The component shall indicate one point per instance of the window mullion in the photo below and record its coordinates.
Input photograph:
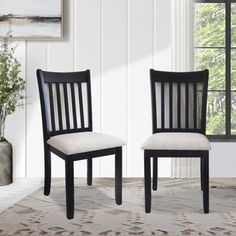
(228, 68)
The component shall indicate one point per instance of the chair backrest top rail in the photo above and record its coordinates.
(178, 77)
(59, 77)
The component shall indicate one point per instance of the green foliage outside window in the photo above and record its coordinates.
(210, 53)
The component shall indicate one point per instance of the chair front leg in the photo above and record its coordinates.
(118, 176)
(89, 171)
(155, 173)
(69, 169)
(205, 161)
(47, 171)
(147, 182)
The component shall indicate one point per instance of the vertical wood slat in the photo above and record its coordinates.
(81, 105)
(179, 105)
(162, 105)
(51, 106)
(195, 105)
(186, 105)
(89, 99)
(154, 106)
(59, 105)
(73, 105)
(171, 105)
(66, 106)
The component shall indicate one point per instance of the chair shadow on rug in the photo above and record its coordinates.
(183, 203)
(88, 199)
(101, 198)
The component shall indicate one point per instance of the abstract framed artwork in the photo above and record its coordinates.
(32, 19)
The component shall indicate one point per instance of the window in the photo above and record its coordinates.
(215, 49)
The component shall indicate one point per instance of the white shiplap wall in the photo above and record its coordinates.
(119, 41)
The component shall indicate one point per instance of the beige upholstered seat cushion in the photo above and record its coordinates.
(177, 141)
(84, 142)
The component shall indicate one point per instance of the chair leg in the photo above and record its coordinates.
(147, 182)
(205, 160)
(118, 176)
(89, 171)
(201, 173)
(47, 172)
(155, 173)
(69, 168)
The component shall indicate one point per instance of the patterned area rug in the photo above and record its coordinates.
(176, 210)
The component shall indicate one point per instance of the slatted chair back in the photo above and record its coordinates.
(179, 101)
(65, 102)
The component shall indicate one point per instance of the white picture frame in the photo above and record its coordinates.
(32, 19)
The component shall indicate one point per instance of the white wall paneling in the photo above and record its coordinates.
(182, 58)
(140, 60)
(87, 55)
(60, 58)
(222, 162)
(119, 41)
(36, 58)
(163, 56)
(113, 84)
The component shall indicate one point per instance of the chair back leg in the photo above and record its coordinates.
(205, 161)
(118, 176)
(201, 172)
(47, 172)
(155, 173)
(69, 169)
(89, 171)
(147, 182)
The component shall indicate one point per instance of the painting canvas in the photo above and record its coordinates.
(31, 18)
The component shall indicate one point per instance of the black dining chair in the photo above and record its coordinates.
(179, 102)
(66, 109)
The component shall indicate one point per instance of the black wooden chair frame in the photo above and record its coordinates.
(170, 78)
(64, 79)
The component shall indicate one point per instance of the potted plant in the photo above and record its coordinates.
(11, 97)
